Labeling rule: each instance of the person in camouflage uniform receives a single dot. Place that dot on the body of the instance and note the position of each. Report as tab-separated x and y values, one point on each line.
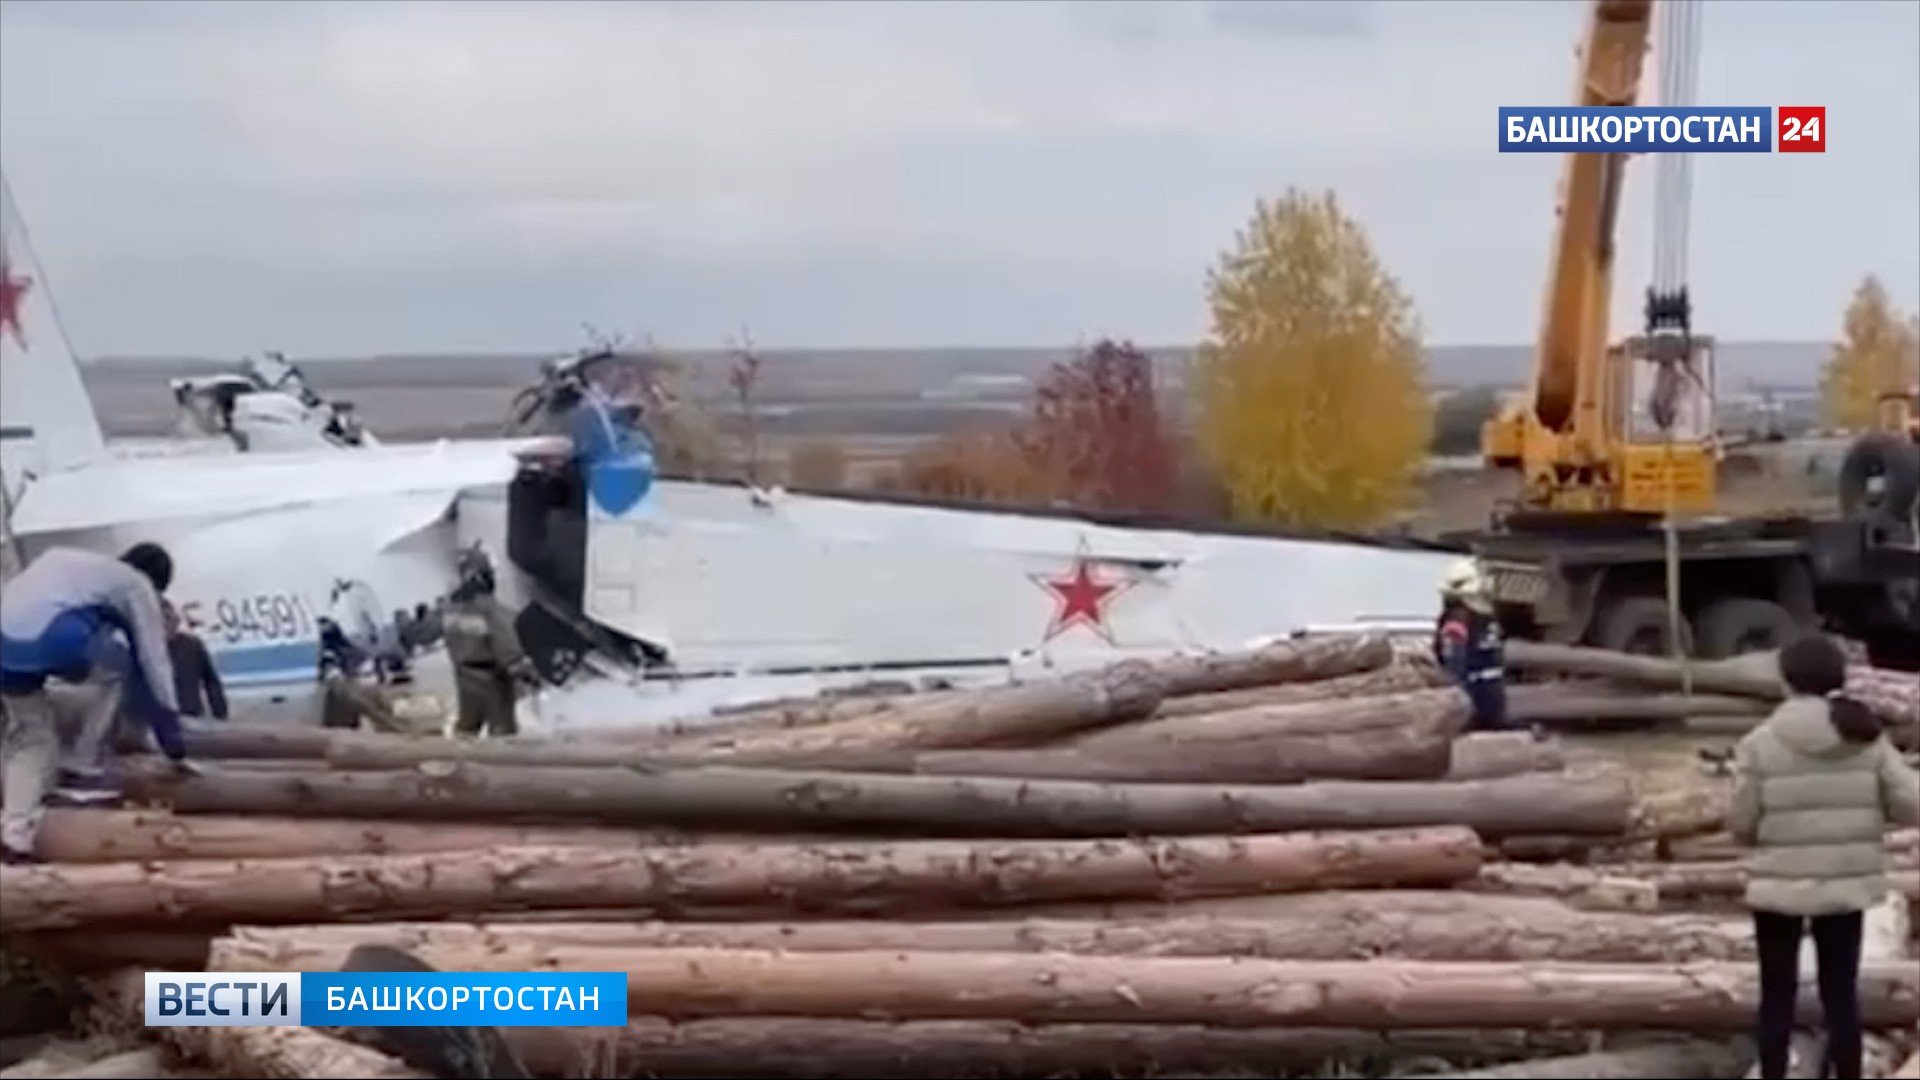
487	659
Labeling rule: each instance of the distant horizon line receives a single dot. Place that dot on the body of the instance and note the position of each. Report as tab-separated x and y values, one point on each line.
521	354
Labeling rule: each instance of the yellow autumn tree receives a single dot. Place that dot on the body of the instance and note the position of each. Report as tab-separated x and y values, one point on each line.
1311	401
1879	353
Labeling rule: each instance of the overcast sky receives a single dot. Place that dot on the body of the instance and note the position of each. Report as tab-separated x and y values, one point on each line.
344	178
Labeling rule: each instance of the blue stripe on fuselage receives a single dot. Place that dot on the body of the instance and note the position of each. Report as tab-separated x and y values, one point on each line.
274	662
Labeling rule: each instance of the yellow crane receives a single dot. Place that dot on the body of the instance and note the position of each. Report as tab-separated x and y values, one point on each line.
1576	437
1613	541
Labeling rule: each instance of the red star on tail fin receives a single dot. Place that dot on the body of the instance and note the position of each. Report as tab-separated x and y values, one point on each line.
12	289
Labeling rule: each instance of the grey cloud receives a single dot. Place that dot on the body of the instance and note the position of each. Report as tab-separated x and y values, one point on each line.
339	178
1128	22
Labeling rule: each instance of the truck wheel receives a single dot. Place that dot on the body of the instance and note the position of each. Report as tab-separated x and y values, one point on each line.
1742	624
1881	475
1638	624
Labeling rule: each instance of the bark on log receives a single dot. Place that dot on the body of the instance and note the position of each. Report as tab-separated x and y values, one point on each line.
1665	881
271	1053
1582	850
1584	804
1395	678
1283	662
1739	676
1233	992
1903	845
774	716
90	950
1412	752
238	739
1587	889
1692	881
828	1048
850	878
1553	704
1489	755
1445	708
1320	927
1000	716
1894	696
87	836
1689	810
680	740
1694	1059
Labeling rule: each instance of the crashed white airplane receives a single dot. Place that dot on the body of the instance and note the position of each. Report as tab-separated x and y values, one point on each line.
640	600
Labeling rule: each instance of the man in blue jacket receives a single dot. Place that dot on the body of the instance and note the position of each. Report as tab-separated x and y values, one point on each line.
58	620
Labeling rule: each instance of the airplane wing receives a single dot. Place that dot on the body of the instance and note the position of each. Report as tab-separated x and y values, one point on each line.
128	492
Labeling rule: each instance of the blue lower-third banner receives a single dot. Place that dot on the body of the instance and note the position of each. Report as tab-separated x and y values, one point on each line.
385	999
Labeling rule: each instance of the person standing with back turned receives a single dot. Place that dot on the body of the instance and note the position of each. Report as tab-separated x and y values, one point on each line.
1817	786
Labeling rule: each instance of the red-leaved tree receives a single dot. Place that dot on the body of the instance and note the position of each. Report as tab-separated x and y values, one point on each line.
1095	433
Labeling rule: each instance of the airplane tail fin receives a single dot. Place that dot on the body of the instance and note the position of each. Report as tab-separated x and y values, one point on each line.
47	422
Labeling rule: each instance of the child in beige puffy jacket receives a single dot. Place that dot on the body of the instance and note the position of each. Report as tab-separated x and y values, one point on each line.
1818	786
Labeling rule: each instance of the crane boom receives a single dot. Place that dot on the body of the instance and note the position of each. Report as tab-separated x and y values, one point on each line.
1573	436
1573	330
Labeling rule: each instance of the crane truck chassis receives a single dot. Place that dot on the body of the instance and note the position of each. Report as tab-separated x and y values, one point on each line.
1744	584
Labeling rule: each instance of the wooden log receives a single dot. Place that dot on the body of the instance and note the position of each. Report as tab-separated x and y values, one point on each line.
1301	660
1309	926
1555	704
239	739
1447	708
1233	992
679	740
1692	1059
1668	881
1687	810
1397	678
272	1053
1894	696
90	950
834	1048
1739	676
774	716
1487	755
1000	716
1901	844
1689	881
849	878
1582	850
82	836
1411	752
1588	804
1577	885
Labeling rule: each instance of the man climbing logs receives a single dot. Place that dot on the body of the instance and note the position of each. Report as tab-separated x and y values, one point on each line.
1469	645
58	620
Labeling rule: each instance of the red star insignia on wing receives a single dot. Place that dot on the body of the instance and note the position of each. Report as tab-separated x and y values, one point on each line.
1081	598
11	290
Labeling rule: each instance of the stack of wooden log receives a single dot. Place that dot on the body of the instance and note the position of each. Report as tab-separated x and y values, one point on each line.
1258	861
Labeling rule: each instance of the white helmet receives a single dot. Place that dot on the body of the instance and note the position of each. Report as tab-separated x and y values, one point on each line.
1463	579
